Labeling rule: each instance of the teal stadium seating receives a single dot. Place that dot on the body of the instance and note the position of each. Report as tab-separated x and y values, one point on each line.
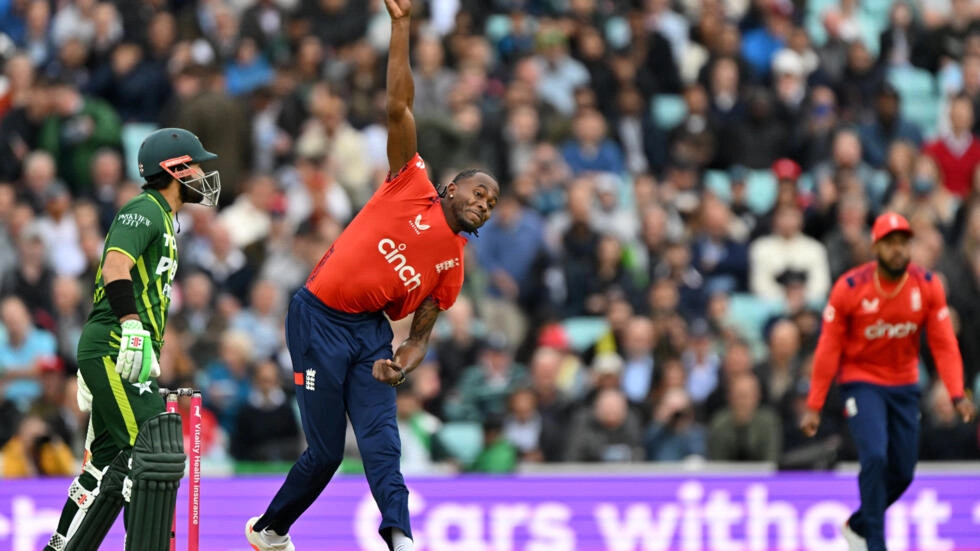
668	110
461	440
749	313
584	331
133	134
920	96
719	184
761	190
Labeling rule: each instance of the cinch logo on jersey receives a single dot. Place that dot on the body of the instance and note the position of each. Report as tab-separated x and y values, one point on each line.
882	330
392	253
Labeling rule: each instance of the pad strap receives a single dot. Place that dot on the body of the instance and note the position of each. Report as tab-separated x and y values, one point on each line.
93	470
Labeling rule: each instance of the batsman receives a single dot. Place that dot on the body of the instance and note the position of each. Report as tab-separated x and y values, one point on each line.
136	450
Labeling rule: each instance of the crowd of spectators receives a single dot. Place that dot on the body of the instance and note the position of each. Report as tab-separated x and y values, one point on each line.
681	183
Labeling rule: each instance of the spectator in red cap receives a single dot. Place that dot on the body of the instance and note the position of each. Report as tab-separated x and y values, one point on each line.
787	174
786	170
53	404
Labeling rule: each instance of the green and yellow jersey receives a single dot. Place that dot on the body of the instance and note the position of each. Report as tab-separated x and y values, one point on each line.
143	230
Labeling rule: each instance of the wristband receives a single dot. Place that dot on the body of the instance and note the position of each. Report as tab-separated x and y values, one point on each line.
402	379
958	399
122	298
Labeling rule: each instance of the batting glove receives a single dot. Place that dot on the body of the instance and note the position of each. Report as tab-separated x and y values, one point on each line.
133	343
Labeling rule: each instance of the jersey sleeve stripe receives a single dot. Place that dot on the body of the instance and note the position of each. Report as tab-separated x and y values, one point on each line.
163	307
120	250
119	393
141	267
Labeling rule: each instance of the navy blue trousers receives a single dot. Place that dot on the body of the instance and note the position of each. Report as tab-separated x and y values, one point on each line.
884	421
332	354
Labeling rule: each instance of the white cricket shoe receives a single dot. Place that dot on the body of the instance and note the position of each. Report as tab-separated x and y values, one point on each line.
854	541
266	540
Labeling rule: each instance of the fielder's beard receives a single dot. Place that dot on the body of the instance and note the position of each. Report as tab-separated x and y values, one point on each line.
893	273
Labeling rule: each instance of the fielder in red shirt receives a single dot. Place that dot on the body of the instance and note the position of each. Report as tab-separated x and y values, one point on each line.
403	253
870	343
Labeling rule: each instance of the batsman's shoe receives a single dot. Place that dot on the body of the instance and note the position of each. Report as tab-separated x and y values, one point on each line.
266	540
854	541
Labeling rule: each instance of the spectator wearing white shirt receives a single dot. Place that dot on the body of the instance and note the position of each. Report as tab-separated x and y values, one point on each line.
788	248
433	80
341	142
40	173
701	363
75	20
674	26
523	424
560	74
248	217
638	342
263	318
310	188
60	232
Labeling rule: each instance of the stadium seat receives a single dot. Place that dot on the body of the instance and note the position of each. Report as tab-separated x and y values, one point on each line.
718	182
497	27
920	96
912	81
617	32
877	10
813	20
133	134
749	313
461	440
668	110
584	331
760	190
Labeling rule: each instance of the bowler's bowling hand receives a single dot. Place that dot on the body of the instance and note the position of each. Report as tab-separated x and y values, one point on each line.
399	8
810	422
388	372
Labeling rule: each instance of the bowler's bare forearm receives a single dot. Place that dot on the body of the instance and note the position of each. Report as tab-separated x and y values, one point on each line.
411	352
402	141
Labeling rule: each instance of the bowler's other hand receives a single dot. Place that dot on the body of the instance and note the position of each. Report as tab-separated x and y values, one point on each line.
387	372
966	409
810	422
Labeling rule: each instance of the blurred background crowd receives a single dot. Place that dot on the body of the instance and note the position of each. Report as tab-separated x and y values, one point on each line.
681	183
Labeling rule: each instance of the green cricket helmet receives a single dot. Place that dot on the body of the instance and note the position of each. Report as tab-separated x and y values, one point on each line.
172	151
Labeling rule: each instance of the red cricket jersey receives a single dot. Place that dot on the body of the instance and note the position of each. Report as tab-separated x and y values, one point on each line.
396	252
871	338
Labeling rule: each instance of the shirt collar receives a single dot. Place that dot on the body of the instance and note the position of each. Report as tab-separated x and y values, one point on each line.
159	198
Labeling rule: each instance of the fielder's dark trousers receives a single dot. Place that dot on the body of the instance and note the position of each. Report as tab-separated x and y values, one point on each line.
884	421
332	354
